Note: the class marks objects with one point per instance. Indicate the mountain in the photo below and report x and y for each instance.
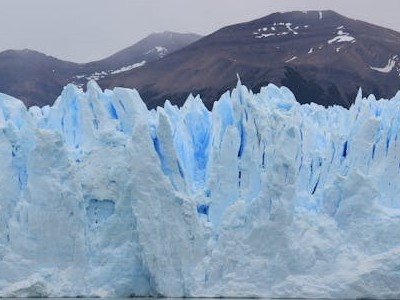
(262, 197)
(38, 79)
(322, 56)
(151, 48)
(33, 77)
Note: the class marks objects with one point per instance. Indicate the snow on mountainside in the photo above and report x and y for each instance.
(98, 75)
(151, 48)
(261, 196)
(322, 56)
(392, 63)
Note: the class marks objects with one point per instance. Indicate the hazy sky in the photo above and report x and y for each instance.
(86, 30)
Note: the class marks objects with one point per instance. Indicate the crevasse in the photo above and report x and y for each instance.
(260, 197)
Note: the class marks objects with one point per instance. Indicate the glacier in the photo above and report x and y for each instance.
(260, 197)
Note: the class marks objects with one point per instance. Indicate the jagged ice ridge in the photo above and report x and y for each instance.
(261, 196)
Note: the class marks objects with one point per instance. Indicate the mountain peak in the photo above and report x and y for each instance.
(22, 52)
(158, 44)
(29, 55)
(311, 16)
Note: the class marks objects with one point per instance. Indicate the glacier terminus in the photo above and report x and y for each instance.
(260, 197)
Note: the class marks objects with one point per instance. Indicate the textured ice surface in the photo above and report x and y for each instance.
(260, 197)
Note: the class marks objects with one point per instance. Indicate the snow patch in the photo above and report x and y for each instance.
(97, 75)
(291, 59)
(128, 68)
(389, 66)
(341, 37)
(279, 29)
(264, 35)
(159, 50)
(100, 75)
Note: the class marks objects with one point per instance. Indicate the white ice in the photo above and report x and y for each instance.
(259, 197)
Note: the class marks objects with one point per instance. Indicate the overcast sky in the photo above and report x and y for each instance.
(86, 30)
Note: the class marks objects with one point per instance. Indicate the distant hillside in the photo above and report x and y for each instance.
(38, 79)
(33, 77)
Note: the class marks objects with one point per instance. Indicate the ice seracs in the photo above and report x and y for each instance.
(260, 197)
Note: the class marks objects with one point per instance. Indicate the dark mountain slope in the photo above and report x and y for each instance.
(33, 77)
(38, 79)
(322, 56)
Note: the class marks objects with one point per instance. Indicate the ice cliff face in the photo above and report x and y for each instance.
(260, 197)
